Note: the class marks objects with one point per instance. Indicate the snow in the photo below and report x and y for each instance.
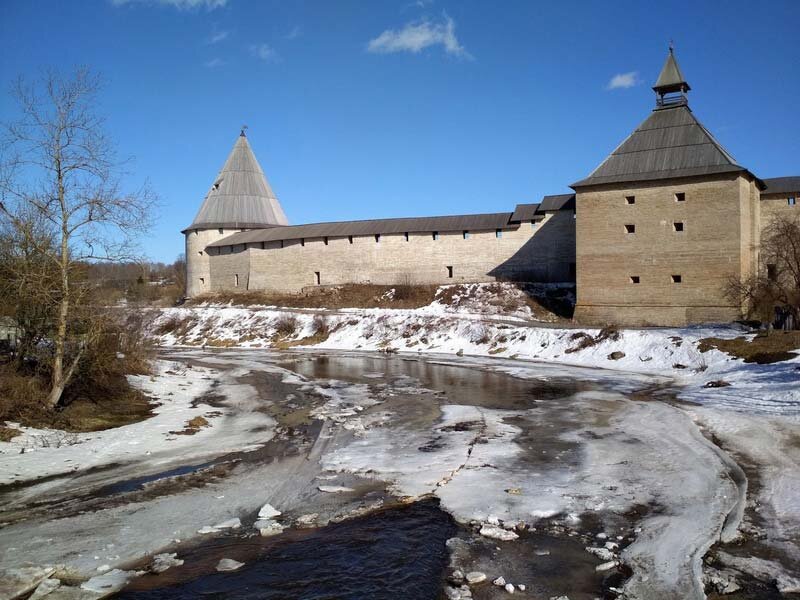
(439, 329)
(33, 455)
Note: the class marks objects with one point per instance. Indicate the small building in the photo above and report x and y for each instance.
(9, 333)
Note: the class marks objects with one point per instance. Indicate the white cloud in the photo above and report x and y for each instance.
(623, 80)
(417, 36)
(179, 4)
(264, 52)
(218, 36)
(215, 62)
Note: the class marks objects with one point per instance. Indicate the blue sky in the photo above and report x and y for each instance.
(401, 108)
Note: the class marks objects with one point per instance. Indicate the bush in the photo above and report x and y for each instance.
(320, 326)
(286, 325)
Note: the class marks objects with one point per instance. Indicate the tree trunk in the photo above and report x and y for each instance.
(58, 381)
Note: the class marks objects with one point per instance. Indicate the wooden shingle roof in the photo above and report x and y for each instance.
(782, 185)
(452, 223)
(670, 143)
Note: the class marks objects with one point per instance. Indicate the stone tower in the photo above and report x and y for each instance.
(665, 222)
(240, 198)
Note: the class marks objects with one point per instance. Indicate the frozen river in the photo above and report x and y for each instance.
(395, 474)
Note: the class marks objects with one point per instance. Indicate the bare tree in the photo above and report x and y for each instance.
(777, 283)
(58, 164)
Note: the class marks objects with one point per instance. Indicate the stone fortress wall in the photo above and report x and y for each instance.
(541, 251)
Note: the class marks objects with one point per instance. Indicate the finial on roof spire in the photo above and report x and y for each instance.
(242, 134)
(671, 46)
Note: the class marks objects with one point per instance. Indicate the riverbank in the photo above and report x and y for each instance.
(689, 356)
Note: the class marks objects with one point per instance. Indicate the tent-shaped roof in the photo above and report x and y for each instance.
(240, 196)
(671, 79)
(671, 142)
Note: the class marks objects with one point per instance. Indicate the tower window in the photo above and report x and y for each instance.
(450, 272)
(630, 228)
(377, 238)
(676, 279)
(498, 233)
(772, 272)
(220, 229)
(406, 235)
(680, 197)
(263, 245)
(236, 280)
(677, 226)
(350, 238)
(302, 241)
(435, 235)
(325, 239)
(792, 201)
(202, 281)
(630, 199)
(317, 276)
(466, 235)
(200, 252)
(281, 243)
(635, 279)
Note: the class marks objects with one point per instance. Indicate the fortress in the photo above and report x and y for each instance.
(650, 237)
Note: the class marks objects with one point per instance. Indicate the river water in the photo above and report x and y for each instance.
(419, 451)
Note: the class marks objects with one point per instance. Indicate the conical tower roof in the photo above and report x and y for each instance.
(240, 196)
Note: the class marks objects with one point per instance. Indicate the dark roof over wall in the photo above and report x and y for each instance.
(525, 212)
(558, 202)
(781, 185)
(671, 142)
(482, 222)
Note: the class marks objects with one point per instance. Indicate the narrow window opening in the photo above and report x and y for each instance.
(316, 274)
(435, 235)
(630, 228)
(263, 245)
(635, 279)
(200, 252)
(466, 235)
(302, 241)
(236, 280)
(377, 238)
(281, 243)
(680, 197)
(677, 226)
(450, 272)
(792, 201)
(220, 229)
(772, 272)
(630, 199)
(350, 238)
(498, 233)
(676, 279)
(406, 234)
(325, 240)
(202, 281)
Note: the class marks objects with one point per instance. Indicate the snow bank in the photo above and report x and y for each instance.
(42, 452)
(766, 389)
